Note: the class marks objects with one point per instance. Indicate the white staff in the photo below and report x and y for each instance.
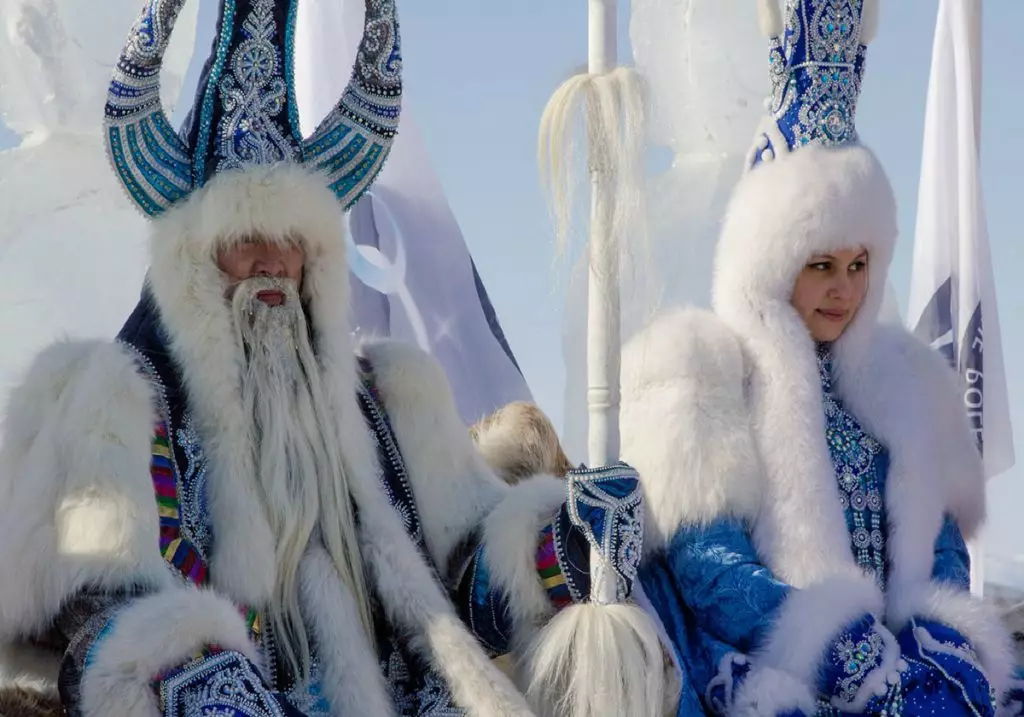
(613, 105)
(613, 108)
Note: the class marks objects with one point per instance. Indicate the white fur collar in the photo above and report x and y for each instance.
(808, 202)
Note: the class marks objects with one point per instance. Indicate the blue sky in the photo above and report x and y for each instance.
(479, 74)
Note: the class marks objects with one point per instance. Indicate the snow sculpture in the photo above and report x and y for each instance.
(69, 238)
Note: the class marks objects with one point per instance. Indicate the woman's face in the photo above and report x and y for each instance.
(829, 291)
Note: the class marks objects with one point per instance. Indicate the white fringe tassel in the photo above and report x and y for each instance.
(614, 119)
(598, 660)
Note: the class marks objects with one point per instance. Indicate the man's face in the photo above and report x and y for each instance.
(255, 258)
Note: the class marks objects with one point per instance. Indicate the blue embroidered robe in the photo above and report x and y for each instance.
(715, 596)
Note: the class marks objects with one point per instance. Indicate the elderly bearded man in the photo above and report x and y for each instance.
(226, 510)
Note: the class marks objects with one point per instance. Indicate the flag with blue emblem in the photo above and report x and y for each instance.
(413, 277)
(953, 296)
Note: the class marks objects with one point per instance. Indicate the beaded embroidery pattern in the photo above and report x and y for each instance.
(151, 160)
(193, 489)
(349, 144)
(856, 460)
(429, 699)
(253, 96)
(815, 69)
(858, 657)
(246, 113)
(222, 684)
(605, 504)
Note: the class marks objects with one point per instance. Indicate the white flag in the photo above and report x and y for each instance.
(413, 278)
(953, 298)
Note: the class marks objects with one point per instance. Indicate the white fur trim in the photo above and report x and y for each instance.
(685, 424)
(974, 619)
(811, 201)
(593, 660)
(768, 693)
(800, 532)
(810, 619)
(906, 394)
(806, 202)
(151, 635)
(510, 541)
(454, 487)
(352, 680)
(77, 506)
(408, 588)
(478, 686)
(271, 201)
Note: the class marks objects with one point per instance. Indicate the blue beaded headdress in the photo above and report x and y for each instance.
(245, 111)
(816, 62)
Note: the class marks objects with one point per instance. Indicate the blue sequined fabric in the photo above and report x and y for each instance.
(860, 463)
(944, 675)
(416, 689)
(482, 606)
(952, 560)
(855, 656)
(816, 67)
(605, 506)
(225, 684)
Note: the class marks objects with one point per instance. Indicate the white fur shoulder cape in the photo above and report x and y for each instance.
(721, 424)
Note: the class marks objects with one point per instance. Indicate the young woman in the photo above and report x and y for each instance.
(810, 473)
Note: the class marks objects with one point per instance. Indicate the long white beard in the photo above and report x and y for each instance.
(299, 468)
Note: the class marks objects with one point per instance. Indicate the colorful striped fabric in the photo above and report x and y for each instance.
(550, 571)
(175, 547)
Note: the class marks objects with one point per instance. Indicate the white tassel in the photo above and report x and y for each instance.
(869, 21)
(769, 18)
(595, 660)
